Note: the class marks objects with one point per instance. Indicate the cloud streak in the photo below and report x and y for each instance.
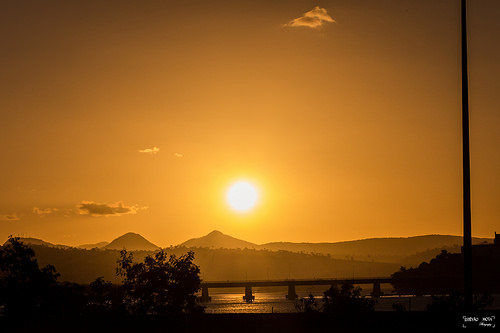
(151, 151)
(103, 209)
(9, 217)
(314, 18)
(45, 211)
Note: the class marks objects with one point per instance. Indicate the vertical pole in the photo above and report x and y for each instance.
(467, 248)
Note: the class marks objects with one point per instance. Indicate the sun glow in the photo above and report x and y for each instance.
(242, 196)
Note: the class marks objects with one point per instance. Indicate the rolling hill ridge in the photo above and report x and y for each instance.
(370, 249)
(222, 257)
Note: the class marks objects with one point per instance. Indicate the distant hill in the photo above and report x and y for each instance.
(93, 246)
(367, 256)
(132, 242)
(387, 247)
(407, 250)
(36, 241)
(222, 257)
(218, 240)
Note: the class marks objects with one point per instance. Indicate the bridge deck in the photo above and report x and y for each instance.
(274, 283)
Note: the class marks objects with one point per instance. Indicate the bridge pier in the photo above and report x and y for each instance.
(249, 298)
(292, 295)
(377, 292)
(204, 295)
(292, 285)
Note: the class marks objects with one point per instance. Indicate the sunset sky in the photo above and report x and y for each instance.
(121, 116)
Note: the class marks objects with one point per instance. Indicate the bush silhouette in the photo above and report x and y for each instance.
(160, 284)
(307, 304)
(345, 300)
(103, 297)
(455, 303)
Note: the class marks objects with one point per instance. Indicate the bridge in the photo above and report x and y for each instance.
(291, 284)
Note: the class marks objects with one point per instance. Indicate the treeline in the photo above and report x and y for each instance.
(161, 284)
(444, 275)
(83, 266)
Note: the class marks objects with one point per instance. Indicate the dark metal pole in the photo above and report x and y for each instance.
(467, 249)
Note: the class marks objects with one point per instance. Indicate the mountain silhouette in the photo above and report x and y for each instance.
(131, 242)
(37, 241)
(387, 246)
(217, 240)
(407, 250)
(403, 250)
(222, 257)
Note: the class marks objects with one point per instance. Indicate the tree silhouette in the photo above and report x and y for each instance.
(346, 300)
(307, 304)
(24, 288)
(442, 275)
(103, 296)
(161, 284)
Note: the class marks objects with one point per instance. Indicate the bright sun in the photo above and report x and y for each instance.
(242, 196)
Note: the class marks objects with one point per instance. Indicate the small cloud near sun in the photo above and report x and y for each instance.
(151, 151)
(179, 155)
(314, 18)
(9, 217)
(102, 209)
(44, 211)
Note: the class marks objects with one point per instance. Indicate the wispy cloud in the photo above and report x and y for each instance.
(178, 155)
(103, 209)
(151, 151)
(9, 217)
(44, 211)
(314, 18)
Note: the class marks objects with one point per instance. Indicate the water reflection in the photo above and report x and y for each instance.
(275, 302)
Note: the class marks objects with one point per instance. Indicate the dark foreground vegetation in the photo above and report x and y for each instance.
(250, 323)
(160, 285)
(444, 275)
(158, 294)
(342, 300)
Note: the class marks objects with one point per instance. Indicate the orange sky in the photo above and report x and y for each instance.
(121, 116)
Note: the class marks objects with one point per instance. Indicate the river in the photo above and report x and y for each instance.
(273, 300)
